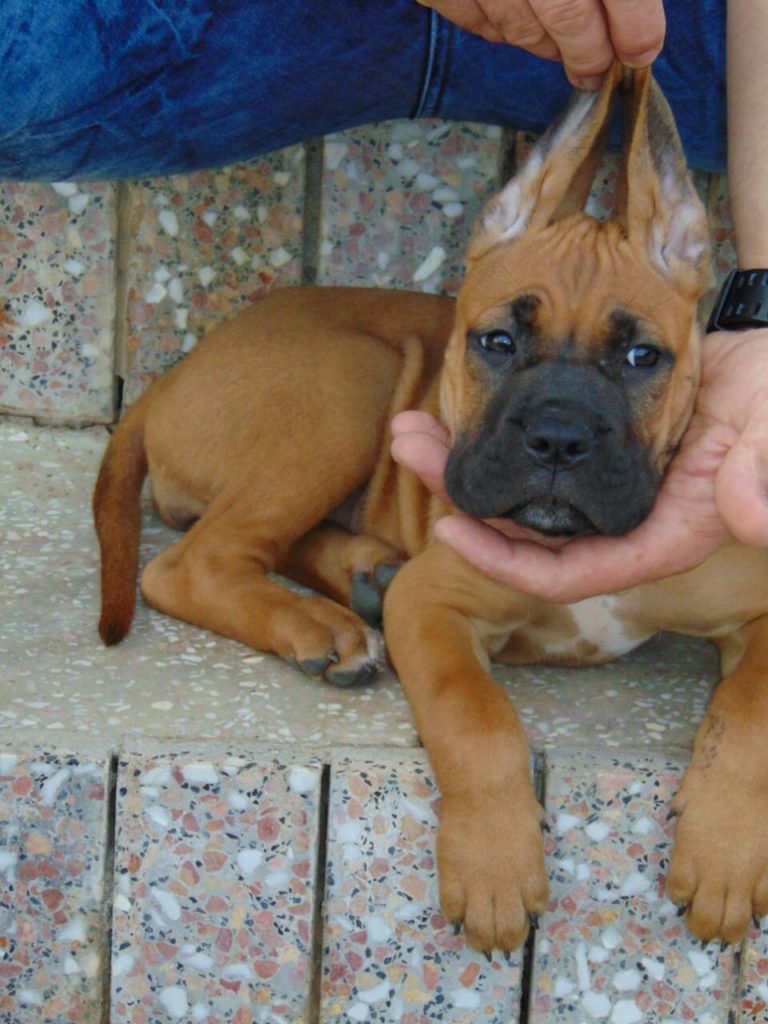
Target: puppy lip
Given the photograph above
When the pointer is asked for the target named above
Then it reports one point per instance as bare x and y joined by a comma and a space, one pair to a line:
551, 520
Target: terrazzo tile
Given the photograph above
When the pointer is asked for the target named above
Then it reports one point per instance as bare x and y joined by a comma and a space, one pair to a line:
215, 862
611, 946
388, 954
57, 289
753, 978
723, 242
53, 832
202, 245
399, 200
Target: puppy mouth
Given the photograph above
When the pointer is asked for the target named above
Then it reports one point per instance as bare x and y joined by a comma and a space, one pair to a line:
551, 520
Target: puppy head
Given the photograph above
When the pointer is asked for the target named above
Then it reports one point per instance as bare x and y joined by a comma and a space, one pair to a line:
572, 369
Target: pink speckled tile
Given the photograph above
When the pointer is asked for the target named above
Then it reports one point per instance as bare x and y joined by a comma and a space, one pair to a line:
57, 293
215, 861
753, 977
201, 246
53, 843
611, 946
723, 241
399, 200
388, 953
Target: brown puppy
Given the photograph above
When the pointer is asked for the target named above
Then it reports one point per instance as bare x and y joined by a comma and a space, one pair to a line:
566, 372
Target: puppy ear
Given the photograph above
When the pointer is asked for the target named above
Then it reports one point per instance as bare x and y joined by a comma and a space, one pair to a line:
659, 204
554, 181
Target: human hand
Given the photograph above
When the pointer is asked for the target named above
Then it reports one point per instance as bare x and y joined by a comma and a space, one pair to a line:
586, 35
716, 486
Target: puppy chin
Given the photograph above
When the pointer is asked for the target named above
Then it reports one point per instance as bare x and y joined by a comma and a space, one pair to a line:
551, 520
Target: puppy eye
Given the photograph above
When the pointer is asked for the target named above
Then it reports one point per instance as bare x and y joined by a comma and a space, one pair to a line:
498, 341
642, 356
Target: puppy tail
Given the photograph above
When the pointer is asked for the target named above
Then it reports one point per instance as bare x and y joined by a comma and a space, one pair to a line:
117, 516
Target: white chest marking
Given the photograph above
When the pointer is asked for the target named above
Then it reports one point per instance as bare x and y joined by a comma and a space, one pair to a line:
598, 623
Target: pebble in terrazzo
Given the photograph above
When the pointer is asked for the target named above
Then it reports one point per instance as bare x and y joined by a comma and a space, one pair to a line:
215, 864
53, 831
56, 333
388, 953
611, 946
201, 246
399, 199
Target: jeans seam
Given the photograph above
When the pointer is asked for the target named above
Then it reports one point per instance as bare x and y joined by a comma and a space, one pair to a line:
432, 86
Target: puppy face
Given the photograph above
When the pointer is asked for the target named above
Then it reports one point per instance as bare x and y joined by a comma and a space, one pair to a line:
572, 370
569, 380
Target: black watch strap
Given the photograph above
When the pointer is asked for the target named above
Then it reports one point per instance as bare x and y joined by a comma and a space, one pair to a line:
742, 302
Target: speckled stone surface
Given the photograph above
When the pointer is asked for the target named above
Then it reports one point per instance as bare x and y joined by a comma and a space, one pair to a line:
57, 300
215, 862
721, 226
399, 200
168, 678
753, 977
388, 953
611, 946
53, 848
199, 247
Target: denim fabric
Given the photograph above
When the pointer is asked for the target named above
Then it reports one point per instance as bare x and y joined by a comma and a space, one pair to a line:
119, 88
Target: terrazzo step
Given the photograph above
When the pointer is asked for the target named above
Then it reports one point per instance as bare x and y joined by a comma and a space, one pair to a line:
611, 945
54, 808
388, 954
215, 872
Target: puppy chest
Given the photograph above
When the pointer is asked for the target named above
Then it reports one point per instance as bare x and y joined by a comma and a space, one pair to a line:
586, 633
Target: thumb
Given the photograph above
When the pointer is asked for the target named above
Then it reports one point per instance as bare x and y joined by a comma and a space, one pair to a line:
741, 485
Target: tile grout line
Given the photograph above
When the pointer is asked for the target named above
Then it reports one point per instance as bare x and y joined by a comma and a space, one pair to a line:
109, 885
529, 948
318, 917
314, 151
122, 256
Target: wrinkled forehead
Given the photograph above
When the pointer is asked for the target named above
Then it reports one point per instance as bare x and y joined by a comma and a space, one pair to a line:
582, 274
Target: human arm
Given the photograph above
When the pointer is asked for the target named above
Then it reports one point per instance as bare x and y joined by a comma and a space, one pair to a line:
586, 35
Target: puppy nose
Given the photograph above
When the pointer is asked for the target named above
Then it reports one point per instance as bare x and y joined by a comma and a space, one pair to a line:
552, 441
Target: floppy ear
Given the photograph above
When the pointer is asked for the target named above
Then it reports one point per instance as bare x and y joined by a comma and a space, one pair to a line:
659, 204
554, 181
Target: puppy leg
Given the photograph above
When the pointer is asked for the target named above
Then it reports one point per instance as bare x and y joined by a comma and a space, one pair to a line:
719, 868
215, 577
354, 569
490, 849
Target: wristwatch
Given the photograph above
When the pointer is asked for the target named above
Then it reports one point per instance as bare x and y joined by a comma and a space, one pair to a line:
742, 302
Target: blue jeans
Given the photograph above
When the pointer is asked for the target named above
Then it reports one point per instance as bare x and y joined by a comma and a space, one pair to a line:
119, 88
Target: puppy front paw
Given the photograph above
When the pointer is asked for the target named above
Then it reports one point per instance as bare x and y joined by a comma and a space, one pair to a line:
491, 871
719, 867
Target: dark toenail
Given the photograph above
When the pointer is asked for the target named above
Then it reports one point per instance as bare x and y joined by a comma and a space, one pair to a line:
545, 826
756, 921
457, 927
333, 657
534, 919
672, 813
681, 909
314, 666
724, 945
508, 955
384, 574
487, 956
354, 677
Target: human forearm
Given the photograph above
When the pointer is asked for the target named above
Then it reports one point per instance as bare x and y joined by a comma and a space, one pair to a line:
748, 128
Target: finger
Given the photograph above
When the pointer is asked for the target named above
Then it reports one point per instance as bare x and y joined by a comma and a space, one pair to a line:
581, 569
636, 29
579, 29
414, 422
426, 456
741, 486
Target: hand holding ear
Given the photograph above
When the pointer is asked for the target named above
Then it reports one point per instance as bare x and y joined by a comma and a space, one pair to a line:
715, 487
586, 35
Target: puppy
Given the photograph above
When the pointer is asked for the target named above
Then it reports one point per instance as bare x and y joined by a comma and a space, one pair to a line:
566, 373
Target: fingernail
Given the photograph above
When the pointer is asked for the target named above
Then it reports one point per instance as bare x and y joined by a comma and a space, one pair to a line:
641, 60
588, 82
